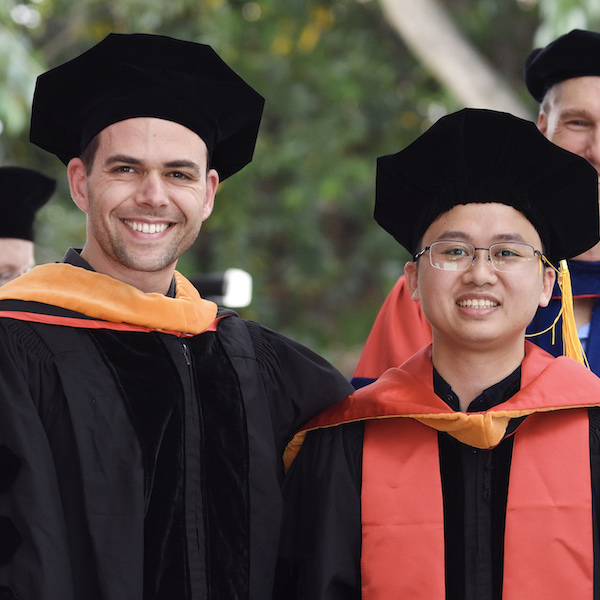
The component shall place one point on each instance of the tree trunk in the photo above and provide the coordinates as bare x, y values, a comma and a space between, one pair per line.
432, 37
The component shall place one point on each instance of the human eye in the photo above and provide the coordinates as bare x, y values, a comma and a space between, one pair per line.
507, 252
503, 254
183, 174
123, 169
577, 122
6, 276
450, 256
452, 249
179, 175
578, 126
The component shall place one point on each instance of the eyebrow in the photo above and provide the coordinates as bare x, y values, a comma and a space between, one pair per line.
173, 164
462, 235
569, 113
122, 158
186, 164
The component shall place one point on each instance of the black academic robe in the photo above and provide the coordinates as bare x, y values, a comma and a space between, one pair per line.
142, 465
320, 554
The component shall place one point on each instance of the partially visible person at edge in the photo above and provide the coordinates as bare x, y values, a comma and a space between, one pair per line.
22, 193
564, 77
472, 471
141, 428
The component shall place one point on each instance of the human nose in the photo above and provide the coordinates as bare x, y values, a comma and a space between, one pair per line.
151, 191
481, 270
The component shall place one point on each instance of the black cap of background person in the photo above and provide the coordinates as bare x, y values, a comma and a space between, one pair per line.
22, 193
575, 54
478, 155
144, 75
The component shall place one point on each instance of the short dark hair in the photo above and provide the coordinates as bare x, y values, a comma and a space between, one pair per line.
88, 155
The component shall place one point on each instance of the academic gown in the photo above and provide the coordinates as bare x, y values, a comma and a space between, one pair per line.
140, 461
320, 554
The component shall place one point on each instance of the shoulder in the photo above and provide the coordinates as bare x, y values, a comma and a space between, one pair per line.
268, 346
331, 450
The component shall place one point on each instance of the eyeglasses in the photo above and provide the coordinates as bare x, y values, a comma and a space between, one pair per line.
510, 257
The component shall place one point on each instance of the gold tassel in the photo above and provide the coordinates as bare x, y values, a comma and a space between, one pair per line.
571, 344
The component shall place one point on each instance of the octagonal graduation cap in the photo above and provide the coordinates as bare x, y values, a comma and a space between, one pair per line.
575, 54
22, 193
143, 75
478, 155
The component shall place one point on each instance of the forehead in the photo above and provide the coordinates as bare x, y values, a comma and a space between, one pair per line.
150, 135
483, 223
15, 252
576, 93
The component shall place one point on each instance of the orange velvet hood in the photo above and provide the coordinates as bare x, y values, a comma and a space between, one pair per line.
101, 297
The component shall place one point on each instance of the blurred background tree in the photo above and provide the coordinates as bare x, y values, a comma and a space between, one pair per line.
345, 81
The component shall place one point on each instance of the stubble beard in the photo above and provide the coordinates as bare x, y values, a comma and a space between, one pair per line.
144, 259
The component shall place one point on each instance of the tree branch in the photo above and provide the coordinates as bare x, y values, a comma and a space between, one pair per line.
432, 37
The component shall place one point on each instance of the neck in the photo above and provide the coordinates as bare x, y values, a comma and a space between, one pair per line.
145, 281
582, 309
470, 372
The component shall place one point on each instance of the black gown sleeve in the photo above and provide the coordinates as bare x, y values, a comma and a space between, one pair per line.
321, 540
33, 432
595, 468
299, 383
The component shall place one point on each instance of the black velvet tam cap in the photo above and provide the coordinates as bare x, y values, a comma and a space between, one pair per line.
478, 155
143, 75
575, 54
22, 193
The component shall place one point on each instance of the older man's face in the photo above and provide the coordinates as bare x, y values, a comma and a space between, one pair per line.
16, 258
570, 117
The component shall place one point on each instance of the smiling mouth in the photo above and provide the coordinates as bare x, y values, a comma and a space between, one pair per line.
475, 303
147, 227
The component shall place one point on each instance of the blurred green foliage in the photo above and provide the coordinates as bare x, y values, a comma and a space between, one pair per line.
340, 88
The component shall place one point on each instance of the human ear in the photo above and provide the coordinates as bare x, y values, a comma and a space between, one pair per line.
77, 174
212, 183
547, 286
412, 279
542, 122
